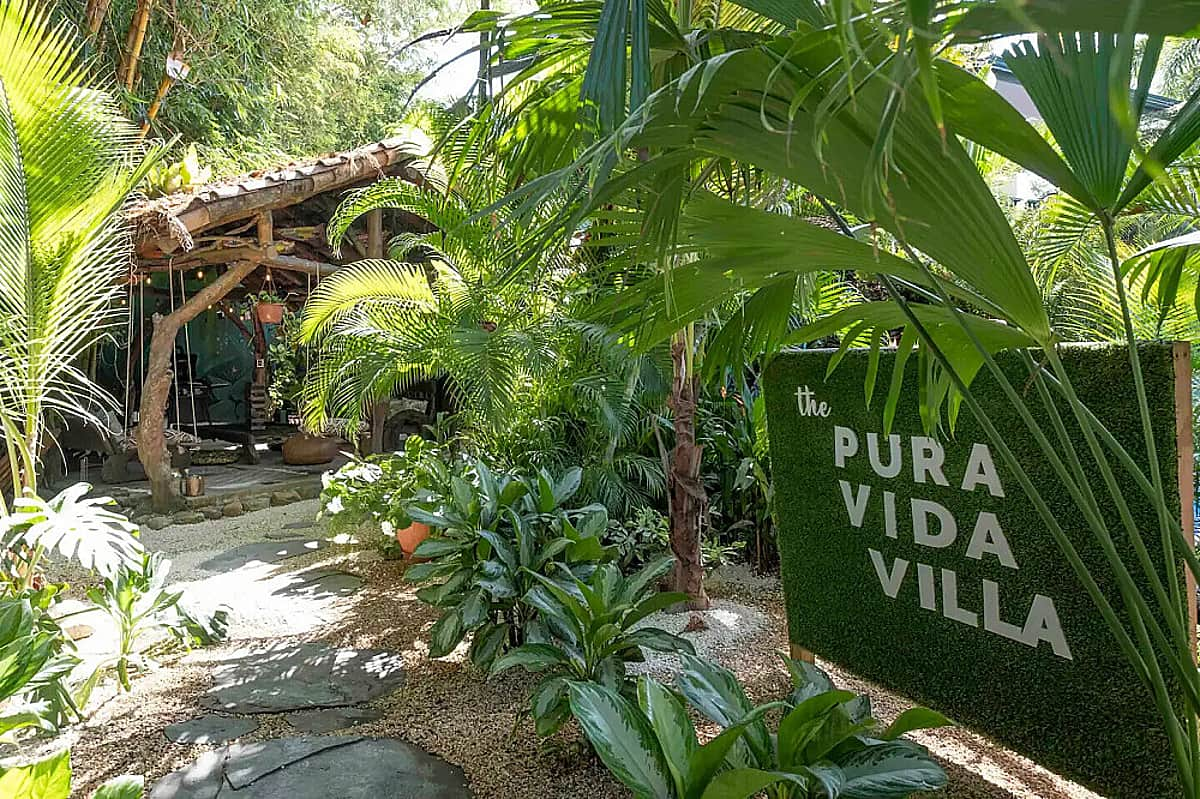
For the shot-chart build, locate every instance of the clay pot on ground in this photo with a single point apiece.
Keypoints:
(411, 537)
(270, 313)
(303, 449)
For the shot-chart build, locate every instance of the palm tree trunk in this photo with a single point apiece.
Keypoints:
(687, 492)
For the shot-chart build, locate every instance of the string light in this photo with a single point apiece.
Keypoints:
(199, 274)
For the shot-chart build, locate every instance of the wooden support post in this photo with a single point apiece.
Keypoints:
(375, 233)
(800, 653)
(1181, 355)
(266, 228)
(151, 437)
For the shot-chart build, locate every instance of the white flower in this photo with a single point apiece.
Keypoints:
(387, 527)
(334, 505)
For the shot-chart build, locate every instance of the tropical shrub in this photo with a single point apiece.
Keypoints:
(826, 741)
(594, 633)
(380, 488)
(28, 651)
(494, 533)
(639, 540)
(825, 745)
(76, 527)
(736, 470)
(72, 524)
(138, 602)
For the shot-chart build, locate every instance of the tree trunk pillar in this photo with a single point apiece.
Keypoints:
(687, 492)
(152, 413)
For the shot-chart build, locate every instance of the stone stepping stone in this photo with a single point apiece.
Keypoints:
(316, 768)
(322, 584)
(335, 718)
(262, 552)
(285, 677)
(209, 730)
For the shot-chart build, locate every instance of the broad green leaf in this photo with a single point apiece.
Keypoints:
(489, 641)
(438, 547)
(128, 786)
(623, 738)
(889, 772)
(531, 657)
(669, 720)
(915, 718)
(744, 783)
(802, 722)
(568, 485)
(446, 634)
(717, 694)
(49, 778)
(659, 640)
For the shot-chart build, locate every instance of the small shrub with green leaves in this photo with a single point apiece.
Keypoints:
(139, 602)
(494, 533)
(72, 524)
(826, 744)
(379, 488)
(594, 633)
(640, 540)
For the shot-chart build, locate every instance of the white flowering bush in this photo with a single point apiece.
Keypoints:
(379, 488)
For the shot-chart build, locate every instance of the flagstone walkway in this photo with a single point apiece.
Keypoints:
(309, 691)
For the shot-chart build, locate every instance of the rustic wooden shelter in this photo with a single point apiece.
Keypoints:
(261, 230)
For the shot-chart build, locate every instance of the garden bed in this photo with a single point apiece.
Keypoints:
(449, 709)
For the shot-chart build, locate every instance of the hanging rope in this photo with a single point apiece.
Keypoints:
(187, 346)
(174, 376)
(133, 275)
(142, 337)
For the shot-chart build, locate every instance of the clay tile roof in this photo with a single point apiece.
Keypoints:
(172, 220)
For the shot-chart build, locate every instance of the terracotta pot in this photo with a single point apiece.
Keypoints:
(410, 537)
(270, 313)
(302, 449)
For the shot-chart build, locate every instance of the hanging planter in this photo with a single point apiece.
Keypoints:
(269, 308)
(270, 313)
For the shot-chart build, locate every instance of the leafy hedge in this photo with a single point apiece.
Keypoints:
(1087, 718)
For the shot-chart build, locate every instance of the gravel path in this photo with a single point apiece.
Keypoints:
(448, 708)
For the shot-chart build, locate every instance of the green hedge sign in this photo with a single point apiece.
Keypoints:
(917, 561)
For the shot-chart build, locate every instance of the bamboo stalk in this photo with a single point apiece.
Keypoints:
(164, 86)
(134, 41)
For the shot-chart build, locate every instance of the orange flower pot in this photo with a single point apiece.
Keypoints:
(270, 313)
(410, 538)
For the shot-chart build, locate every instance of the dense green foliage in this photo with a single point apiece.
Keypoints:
(378, 489)
(271, 80)
(495, 535)
(837, 607)
(826, 743)
(594, 631)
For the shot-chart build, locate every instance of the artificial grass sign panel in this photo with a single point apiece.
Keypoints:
(918, 562)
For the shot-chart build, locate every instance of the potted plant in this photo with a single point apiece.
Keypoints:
(270, 307)
(380, 489)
